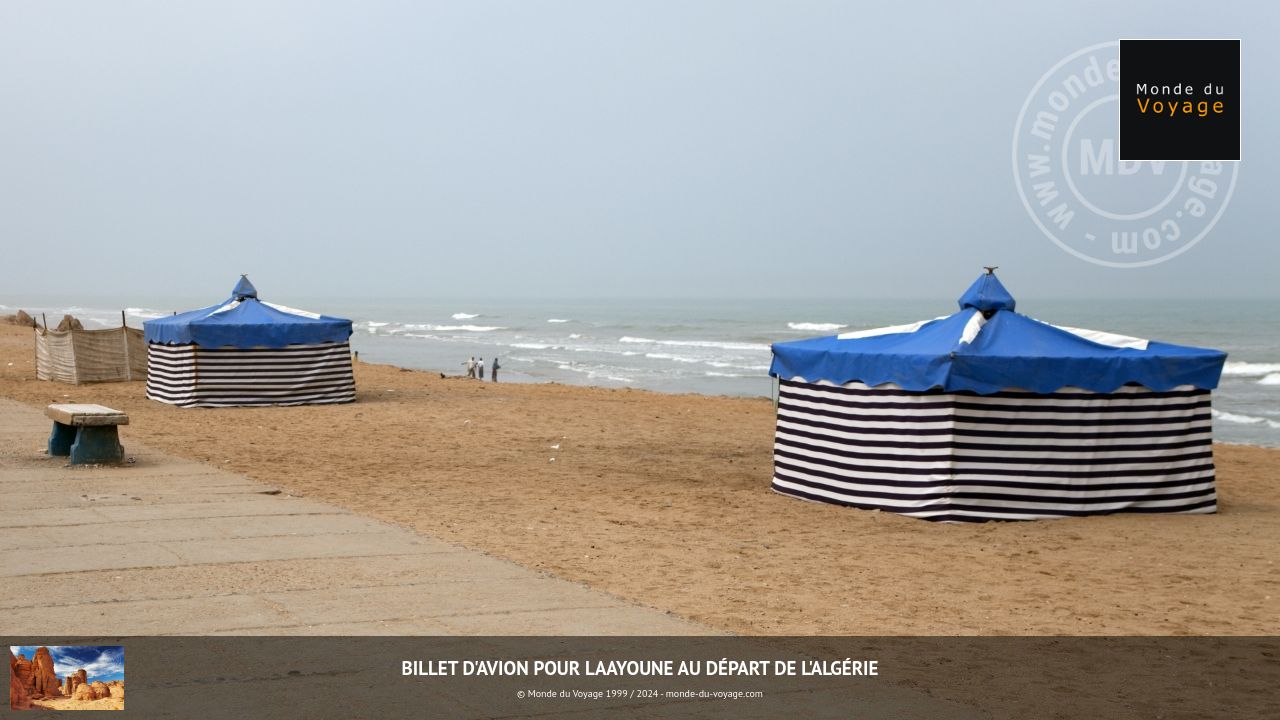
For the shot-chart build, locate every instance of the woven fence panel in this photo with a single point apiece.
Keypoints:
(55, 356)
(89, 356)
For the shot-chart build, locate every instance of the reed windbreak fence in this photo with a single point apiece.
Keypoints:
(90, 356)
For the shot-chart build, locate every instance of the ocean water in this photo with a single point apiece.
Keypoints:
(722, 347)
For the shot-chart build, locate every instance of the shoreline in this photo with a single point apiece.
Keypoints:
(1244, 407)
(664, 500)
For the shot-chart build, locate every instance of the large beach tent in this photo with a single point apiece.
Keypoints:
(248, 352)
(76, 355)
(988, 414)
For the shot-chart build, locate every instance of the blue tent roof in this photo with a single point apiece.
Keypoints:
(987, 347)
(245, 321)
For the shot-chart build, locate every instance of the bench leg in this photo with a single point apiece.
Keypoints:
(61, 438)
(97, 444)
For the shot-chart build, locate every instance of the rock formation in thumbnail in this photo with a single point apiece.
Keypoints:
(44, 680)
(18, 699)
(34, 684)
(22, 670)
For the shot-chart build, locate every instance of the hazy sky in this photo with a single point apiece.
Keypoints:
(582, 148)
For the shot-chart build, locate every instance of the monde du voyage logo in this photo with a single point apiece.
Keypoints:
(1124, 152)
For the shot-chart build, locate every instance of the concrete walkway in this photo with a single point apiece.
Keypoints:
(163, 546)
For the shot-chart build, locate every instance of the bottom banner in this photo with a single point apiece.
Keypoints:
(648, 677)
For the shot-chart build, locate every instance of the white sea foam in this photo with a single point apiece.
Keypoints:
(816, 327)
(1272, 379)
(145, 313)
(695, 343)
(737, 366)
(1249, 369)
(1244, 419)
(1239, 419)
(531, 346)
(674, 358)
(557, 320)
(464, 316)
(598, 372)
(574, 336)
(373, 324)
(464, 328)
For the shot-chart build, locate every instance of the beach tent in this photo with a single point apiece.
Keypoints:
(988, 414)
(247, 352)
(87, 356)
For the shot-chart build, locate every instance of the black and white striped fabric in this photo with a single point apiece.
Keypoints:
(194, 376)
(1008, 456)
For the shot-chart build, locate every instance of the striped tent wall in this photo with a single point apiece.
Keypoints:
(1007, 456)
(194, 376)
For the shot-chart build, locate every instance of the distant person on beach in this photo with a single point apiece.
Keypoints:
(495, 369)
(471, 366)
(480, 368)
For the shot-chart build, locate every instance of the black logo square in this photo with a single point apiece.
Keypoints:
(1179, 100)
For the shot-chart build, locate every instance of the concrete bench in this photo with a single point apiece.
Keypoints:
(87, 433)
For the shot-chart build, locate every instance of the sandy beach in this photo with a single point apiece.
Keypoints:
(65, 703)
(664, 500)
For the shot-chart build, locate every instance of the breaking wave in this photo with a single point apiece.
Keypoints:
(696, 343)
(145, 313)
(674, 358)
(1248, 369)
(598, 372)
(816, 327)
(1244, 419)
(464, 328)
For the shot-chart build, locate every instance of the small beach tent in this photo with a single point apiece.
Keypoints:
(247, 352)
(991, 415)
(90, 356)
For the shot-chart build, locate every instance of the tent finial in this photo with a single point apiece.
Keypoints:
(987, 294)
(991, 269)
(244, 289)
